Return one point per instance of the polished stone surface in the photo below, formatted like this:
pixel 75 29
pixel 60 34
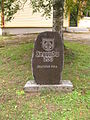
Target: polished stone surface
pixel 47 59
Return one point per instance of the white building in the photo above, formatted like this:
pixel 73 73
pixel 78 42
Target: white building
pixel 26 22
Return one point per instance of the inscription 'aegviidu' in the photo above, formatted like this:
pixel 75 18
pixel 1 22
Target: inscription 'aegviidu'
pixel 47 56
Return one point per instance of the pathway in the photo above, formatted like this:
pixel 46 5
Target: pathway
pixel 83 38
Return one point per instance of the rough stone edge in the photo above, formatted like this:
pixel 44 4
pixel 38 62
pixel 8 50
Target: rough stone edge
pixel 64 86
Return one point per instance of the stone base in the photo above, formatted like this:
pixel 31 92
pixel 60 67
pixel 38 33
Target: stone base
pixel 64 86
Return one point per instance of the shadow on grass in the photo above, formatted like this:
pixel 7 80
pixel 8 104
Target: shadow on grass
pixel 69 55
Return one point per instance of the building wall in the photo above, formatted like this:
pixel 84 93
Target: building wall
pixel 25 18
pixel 66 21
pixel 84 22
pixel 26 22
pixel 24 30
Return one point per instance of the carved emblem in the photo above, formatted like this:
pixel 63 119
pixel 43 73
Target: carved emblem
pixel 48 44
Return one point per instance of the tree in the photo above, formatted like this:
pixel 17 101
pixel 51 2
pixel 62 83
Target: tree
pixel 58 10
pixel 87 9
pixel 76 8
pixel 9 8
pixel 45 6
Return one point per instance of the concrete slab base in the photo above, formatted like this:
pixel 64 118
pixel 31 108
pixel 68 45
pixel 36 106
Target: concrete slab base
pixel 64 86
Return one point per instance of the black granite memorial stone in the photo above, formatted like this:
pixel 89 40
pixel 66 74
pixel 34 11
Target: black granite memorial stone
pixel 47 59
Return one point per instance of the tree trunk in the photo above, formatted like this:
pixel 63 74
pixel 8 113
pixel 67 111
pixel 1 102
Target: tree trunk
pixel 2 13
pixel 58 10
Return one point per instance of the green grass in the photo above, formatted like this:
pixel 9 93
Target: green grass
pixel 15 71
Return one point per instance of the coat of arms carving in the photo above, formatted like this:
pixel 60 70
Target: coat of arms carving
pixel 48 44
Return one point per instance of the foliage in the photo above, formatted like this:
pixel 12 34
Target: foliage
pixel 44 6
pixel 76 8
pixel 78 5
pixel 87 8
pixel 11 7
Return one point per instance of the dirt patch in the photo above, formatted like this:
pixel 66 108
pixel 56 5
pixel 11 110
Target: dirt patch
pixel 18 39
pixel 83 38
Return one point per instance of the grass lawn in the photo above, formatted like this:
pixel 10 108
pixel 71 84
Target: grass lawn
pixel 9 37
pixel 15 71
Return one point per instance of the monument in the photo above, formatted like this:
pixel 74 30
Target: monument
pixel 47 64
pixel 47 61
